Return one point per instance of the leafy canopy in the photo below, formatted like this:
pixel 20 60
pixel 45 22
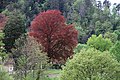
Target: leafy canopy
pixel 51 31
pixel 91 64
pixel 14 27
pixel 99 43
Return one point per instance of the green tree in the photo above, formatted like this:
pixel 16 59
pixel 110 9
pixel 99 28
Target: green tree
pixel 106 27
pixel 98 25
pixel 103 27
pixel 118 33
pixel 4 3
pixel 115 18
pixel 84 9
pixel 91 64
pixel 31 8
pixel 14 28
pixel 99 43
pixel 112 36
pixel 115 50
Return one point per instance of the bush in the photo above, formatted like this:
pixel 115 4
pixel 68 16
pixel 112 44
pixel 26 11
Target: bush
pixel 99 43
pixel 115 50
pixel 91 64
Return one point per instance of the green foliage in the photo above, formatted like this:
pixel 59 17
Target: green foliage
pixel 79 47
pixel 91 64
pixel 14 28
pixel 99 43
pixel 115 18
pixel 84 10
pixel 4 75
pixel 106 26
pixel 30 8
pixel 3 55
pixel 29 77
pixel 98 25
pixel 80 31
pixel 101 28
pixel 6 12
pixel 112 36
pixel 106 11
pixel 118 33
pixel 115 50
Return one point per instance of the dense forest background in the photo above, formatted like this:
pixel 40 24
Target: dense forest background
pixel 88 16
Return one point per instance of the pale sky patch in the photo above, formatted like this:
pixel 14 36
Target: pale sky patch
pixel 112 1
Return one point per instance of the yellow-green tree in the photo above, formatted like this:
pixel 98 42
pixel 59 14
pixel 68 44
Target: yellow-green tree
pixel 91 64
pixel 99 42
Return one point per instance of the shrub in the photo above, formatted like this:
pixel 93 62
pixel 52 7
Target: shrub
pixel 91 64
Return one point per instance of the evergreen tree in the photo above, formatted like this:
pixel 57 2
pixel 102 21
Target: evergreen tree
pixel 14 28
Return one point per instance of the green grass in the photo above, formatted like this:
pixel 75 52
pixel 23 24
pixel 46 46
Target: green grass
pixel 47 72
pixel 52 79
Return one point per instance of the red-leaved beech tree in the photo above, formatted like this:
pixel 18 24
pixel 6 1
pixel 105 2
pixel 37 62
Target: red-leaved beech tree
pixel 57 38
pixel 3 20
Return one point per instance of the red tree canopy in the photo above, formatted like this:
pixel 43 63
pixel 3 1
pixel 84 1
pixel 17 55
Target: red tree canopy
pixel 3 21
pixel 57 38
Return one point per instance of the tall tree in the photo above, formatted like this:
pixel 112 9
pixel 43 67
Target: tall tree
pixel 107 3
pixel 55 4
pixel 31 8
pixel 14 28
pixel 115 18
pixel 58 38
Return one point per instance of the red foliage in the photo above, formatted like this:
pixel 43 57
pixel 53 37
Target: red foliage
pixel 51 31
pixel 3 21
